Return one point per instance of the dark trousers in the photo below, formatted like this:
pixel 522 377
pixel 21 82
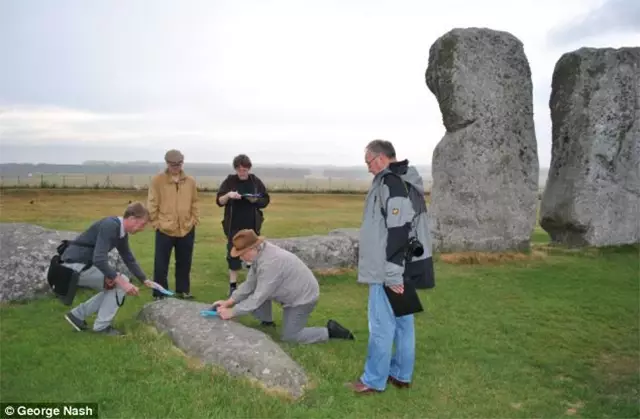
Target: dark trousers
pixel 234 263
pixel 184 255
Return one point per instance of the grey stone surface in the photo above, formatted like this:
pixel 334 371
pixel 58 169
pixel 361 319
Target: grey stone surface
pixel 354 235
pixel 592 196
pixel 485 168
pixel 25 253
pixel 322 252
pixel 240 350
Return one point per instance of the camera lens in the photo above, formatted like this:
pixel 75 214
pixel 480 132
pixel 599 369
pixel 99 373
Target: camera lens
pixel 418 251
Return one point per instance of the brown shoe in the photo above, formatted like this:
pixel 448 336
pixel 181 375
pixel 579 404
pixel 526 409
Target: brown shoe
pixel 398 383
pixel 359 388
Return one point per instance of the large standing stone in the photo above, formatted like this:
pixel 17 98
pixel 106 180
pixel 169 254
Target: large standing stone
pixel 592 195
pixel 240 350
pixel 485 168
pixel 25 253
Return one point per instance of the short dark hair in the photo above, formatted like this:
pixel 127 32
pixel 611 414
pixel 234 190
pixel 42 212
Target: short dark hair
pixel 382 147
pixel 136 210
pixel 241 160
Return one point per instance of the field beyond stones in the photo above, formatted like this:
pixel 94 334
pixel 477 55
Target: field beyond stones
pixel 551 333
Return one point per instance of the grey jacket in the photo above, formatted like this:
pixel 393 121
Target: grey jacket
pixel 389 220
pixel 278 275
pixel 105 235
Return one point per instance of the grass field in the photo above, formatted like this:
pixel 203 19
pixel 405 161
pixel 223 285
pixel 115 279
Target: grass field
pixel 551 334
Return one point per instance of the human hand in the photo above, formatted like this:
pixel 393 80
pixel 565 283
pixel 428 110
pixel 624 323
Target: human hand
pixel 109 284
pixel 224 313
pixel 233 195
pixel 222 304
pixel 398 289
pixel 131 289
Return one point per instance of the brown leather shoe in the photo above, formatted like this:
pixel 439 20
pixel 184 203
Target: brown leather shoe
pixel 359 388
pixel 398 383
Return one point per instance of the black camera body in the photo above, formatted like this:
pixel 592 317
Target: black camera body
pixel 414 248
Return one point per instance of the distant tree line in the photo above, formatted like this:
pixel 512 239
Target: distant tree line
pixel 195 169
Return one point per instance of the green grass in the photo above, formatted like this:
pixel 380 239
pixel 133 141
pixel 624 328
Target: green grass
pixel 553 334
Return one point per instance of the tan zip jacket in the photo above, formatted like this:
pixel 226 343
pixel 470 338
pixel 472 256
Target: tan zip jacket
pixel 173 206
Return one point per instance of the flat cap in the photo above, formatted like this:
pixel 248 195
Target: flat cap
pixel 173 156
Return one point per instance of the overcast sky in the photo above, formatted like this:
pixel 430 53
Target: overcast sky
pixel 284 81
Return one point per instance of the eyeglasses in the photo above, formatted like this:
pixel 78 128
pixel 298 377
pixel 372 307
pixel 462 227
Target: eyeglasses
pixel 372 159
pixel 173 164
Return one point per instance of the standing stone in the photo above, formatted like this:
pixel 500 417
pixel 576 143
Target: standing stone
pixel 485 168
pixel 592 195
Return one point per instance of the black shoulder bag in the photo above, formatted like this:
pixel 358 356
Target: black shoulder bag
pixel 62 280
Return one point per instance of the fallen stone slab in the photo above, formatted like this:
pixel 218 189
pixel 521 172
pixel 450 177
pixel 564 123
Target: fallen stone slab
pixel 25 253
pixel 240 350
pixel 322 252
pixel 352 233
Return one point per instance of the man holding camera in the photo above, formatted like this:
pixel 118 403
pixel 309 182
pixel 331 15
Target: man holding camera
pixel 394 252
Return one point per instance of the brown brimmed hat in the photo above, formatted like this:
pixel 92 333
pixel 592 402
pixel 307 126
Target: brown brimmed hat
pixel 243 241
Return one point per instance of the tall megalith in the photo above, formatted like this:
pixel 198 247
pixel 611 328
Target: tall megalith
pixel 592 196
pixel 485 168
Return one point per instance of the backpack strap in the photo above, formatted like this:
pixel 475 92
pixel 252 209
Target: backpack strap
pixel 383 205
pixel 65 243
pixel 407 187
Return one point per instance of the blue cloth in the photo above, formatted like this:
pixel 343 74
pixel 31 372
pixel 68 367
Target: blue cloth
pixel 386 330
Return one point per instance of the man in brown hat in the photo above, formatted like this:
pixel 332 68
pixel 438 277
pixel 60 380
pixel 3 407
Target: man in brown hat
pixel 277 275
pixel 174 213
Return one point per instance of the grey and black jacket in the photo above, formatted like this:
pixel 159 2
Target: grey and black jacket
pixel 389 220
pixel 95 244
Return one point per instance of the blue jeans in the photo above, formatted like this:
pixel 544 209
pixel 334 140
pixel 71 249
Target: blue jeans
pixel 385 330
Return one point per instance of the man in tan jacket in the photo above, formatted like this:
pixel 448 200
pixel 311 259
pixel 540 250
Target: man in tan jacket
pixel 174 214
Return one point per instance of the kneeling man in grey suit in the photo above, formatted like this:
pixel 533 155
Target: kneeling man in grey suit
pixel 277 275
pixel 88 254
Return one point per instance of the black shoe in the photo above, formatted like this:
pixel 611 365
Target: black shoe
pixel 77 324
pixel 159 297
pixel 398 383
pixel 184 296
pixel 232 288
pixel 109 331
pixel 336 331
pixel 268 324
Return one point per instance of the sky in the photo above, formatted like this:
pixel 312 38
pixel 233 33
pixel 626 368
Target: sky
pixel 291 82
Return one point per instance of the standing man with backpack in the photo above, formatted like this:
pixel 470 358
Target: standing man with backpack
pixel 394 253
pixel 243 196
pixel 174 213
